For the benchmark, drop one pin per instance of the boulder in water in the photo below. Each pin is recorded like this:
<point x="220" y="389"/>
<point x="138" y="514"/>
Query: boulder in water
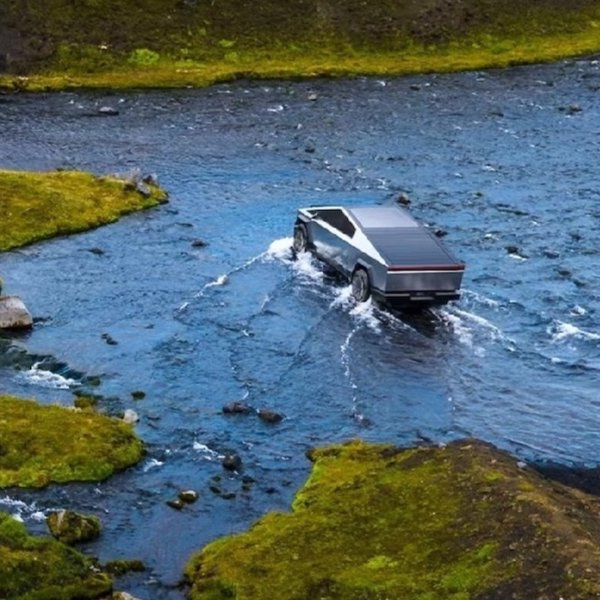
<point x="71" y="527"/>
<point x="14" y="313"/>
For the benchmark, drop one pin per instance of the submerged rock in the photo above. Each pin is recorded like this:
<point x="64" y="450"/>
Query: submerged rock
<point x="108" y="111"/>
<point x="269" y="416"/>
<point x="232" y="462"/>
<point x="376" y="521"/>
<point x="176" y="503"/>
<point x="188" y="496"/>
<point x="14" y="313"/>
<point x="120" y="567"/>
<point x="72" y="527"/>
<point x="237" y="408"/>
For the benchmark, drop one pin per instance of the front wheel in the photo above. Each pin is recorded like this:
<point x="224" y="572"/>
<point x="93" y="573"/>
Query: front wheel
<point x="361" y="288"/>
<point x="300" y="243"/>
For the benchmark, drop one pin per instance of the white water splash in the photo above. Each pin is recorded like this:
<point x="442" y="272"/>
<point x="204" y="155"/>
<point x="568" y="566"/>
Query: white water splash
<point x="460" y="328"/>
<point x="153" y="463"/>
<point x="280" y="249"/>
<point x="480" y="299"/>
<point x="205" y="452"/>
<point x="302" y="263"/>
<point x="365" y="312"/>
<point x="47" y="379"/>
<point x="561" y="331"/>
<point x="578" y="311"/>
<point x="494" y="332"/>
<point x="20" y="510"/>
<point x="219" y="281"/>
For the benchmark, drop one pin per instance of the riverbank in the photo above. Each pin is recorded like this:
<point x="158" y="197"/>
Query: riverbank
<point x="198" y="45"/>
<point x="44" y="444"/>
<point x="37" y="206"/>
<point x="375" y="521"/>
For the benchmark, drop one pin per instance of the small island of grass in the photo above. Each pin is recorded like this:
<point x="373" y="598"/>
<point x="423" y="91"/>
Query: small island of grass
<point x="35" y="206"/>
<point x="373" y="522"/>
<point x="40" y="568"/>
<point x="42" y="444"/>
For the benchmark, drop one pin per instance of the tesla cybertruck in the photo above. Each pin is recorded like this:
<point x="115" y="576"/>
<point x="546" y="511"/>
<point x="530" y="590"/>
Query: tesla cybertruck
<point x="383" y="251"/>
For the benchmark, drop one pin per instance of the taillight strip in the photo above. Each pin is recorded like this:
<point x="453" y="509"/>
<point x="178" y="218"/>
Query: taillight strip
<point x="456" y="267"/>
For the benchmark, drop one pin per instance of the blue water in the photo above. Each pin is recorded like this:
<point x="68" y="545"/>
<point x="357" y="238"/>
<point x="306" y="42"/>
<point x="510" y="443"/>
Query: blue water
<point x="496" y="159"/>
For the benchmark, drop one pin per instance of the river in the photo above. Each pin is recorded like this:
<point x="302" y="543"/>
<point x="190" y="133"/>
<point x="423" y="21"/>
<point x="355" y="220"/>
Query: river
<point x="506" y="162"/>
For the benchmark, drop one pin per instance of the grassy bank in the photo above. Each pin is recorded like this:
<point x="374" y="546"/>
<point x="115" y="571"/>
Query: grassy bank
<point x="450" y="523"/>
<point x="36" y="206"/>
<point x="43" y="444"/>
<point x="40" y="568"/>
<point x="96" y="43"/>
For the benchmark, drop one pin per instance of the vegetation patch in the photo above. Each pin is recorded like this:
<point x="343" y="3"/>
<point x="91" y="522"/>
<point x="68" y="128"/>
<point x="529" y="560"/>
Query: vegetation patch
<point x="43" y="444"/>
<point x="40" y="568"/>
<point x="374" y="522"/>
<point x="160" y="43"/>
<point x="35" y="206"/>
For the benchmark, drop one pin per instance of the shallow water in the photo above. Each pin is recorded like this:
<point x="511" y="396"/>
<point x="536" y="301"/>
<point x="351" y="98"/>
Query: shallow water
<point x="496" y="159"/>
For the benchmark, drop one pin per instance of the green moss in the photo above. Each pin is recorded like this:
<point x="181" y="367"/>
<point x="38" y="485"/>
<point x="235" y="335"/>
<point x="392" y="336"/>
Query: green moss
<point x="40" y="444"/>
<point x="72" y="527"/>
<point x="119" y="43"/>
<point x="36" y="206"/>
<point x="40" y="568"/>
<point x="373" y="522"/>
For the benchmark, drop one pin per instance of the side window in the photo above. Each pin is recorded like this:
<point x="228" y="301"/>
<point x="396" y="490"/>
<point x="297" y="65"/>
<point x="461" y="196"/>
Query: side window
<point x="338" y="220"/>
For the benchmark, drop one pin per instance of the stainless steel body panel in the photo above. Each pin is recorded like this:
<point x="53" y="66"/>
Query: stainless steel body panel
<point x="406" y="263"/>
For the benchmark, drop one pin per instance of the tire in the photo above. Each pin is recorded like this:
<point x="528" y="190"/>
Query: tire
<point x="300" y="243"/>
<point x="361" y="287"/>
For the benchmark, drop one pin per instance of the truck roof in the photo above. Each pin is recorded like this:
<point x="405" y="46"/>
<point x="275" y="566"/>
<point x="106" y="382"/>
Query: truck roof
<point x="400" y="239"/>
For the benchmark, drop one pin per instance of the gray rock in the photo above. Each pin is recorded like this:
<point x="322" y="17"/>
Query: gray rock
<point x="177" y="503"/>
<point x="14" y="313"/>
<point x="108" y="111"/>
<point x="123" y="596"/>
<point x="237" y="408"/>
<point x="571" y="109"/>
<point x="109" y="339"/>
<point x="198" y="243"/>
<point x="71" y="527"/>
<point x="269" y="416"/>
<point x="133" y="176"/>
<point x="130" y="417"/>
<point x="151" y="179"/>
<point x="188" y="496"/>
<point x="232" y="462"/>
<point x="143" y="189"/>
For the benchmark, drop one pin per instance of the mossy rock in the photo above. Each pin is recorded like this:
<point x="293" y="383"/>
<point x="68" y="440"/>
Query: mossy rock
<point x="72" y="527"/>
<point x="373" y="522"/>
<point x="40" y="568"/>
<point x="36" y="206"/>
<point x="43" y="444"/>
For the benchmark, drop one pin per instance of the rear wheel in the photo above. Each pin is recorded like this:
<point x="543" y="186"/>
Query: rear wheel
<point x="361" y="288"/>
<point x="300" y="243"/>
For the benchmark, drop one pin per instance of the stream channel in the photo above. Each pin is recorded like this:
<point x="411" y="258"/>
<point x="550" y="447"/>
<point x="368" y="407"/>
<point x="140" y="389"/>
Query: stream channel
<point x="506" y="162"/>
